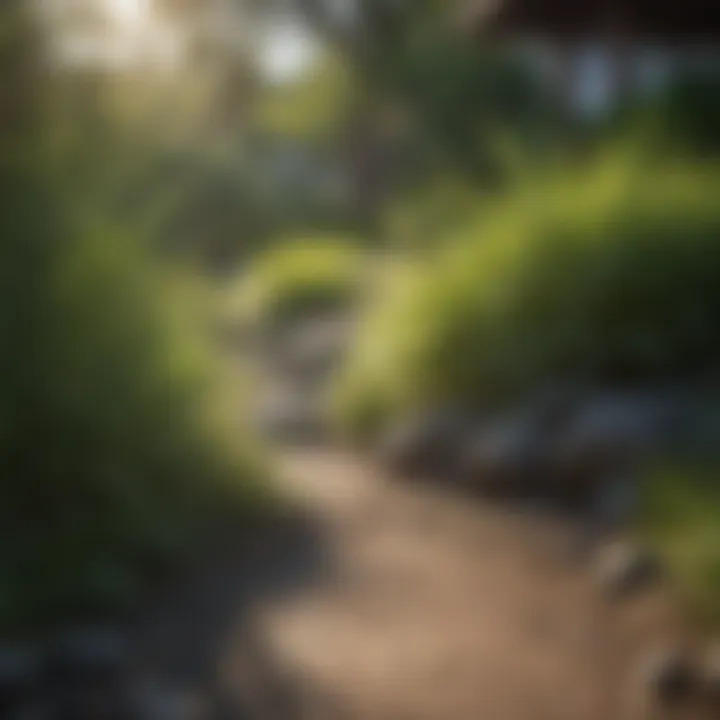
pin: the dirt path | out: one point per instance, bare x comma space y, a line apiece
396, 602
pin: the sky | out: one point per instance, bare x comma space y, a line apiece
118, 34
134, 35
287, 50
128, 12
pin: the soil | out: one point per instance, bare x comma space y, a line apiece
389, 600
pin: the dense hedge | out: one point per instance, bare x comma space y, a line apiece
679, 509
683, 119
606, 275
114, 450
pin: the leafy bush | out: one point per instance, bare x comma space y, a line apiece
608, 275
115, 452
429, 213
682, 119
461, 95
679, 518
297, 278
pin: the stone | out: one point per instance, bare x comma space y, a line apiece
711, 674
505, 459
614, 501
19, 675
509, 457
320, 342
623, 569
553, 408
84, 673
614, 421
87, 651
89, 703
290, 418
159, 702
33, 711
427, 444
308, 351
606, 437
670, 676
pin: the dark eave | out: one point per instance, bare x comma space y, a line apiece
680, 21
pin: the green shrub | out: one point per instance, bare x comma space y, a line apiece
426, 214
683, 119
297, 278
608, 276
680, 506
115, 451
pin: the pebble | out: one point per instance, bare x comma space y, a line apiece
84, 674
158, 702
711, 674
87, 650
623, 569
670, 676
19, 673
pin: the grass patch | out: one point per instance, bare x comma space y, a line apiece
298, 278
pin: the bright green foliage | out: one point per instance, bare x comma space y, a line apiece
296, 278
609, 275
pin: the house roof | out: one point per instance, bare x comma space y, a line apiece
661, 20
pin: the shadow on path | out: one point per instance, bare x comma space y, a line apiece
209, 619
